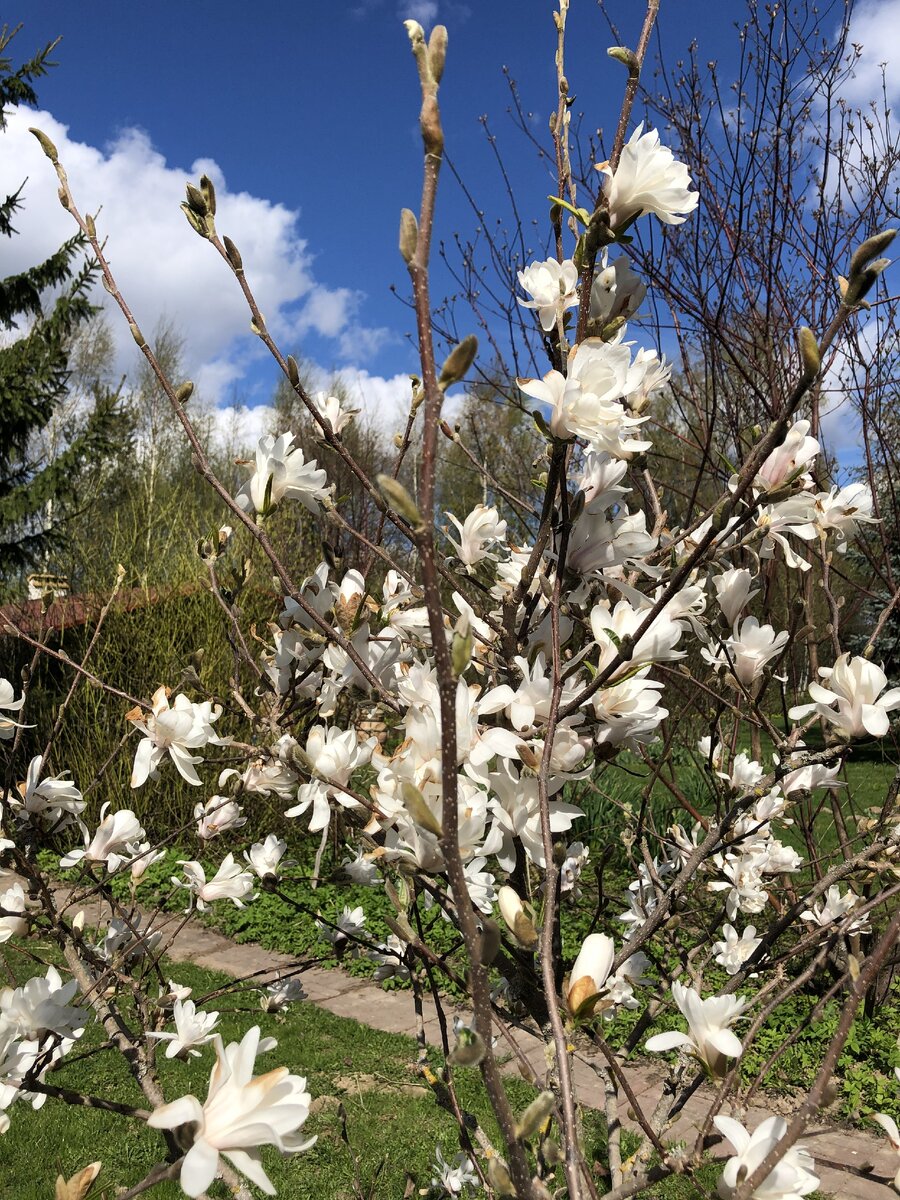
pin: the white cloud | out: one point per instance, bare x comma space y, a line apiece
237, 429
164, 269
423, 11
384, 403
875, 27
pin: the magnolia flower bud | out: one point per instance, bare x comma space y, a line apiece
208, 191
490, 940
234, 255
517, 920
397, 495
499, 1177
418, 809
409, 234
437, 52
458, 362
46, 145
469, 1050
534, 1115
589, 973
809, 353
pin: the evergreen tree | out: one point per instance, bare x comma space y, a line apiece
40, 489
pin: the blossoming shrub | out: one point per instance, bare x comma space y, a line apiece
437, 708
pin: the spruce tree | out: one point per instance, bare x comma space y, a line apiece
41, 309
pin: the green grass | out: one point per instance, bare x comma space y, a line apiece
377, 1125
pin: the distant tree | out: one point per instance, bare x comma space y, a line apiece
41, 477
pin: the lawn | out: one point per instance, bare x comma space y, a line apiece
377, 1125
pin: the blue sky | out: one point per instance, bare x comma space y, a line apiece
306, 113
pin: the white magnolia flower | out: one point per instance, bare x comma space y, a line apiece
174, 731
350, 924
13, 922
177, 991
8, 726
281, 993
577, 856
648, 179
657, 644
312, 794
480, 885
586, 402
843, 510
192, 1028
389, 957
127, 940
144, 856
218, 815
629, 713
361, 870
241, 1113
230, 882
590, 970
481, 527
40, 1007
734, 950
553, 287
335, 754
709, 1038
788, 461
813, 775
266, 857
889, 1125
602, 539
116, 842
456, 1176
795, 515
855, 686
833, 908
331, 408
617, 290
745, 773
743, 882
791, 1179
745, 654
734, 591
54, 801
283, 473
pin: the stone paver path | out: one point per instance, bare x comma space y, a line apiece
851, 1164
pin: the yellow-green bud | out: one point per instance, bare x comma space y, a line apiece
418, 809
626, 57
437, 52
46, 145
534, 1116
397, 495
208, 190
233, 253
809, 352
409, 234
458, 361
871, 248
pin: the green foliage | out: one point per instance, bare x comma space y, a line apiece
138, 651
39, 483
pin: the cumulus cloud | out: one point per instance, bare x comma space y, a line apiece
423, 11
383, 405
875, 27
165, 271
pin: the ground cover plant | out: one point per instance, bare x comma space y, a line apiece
612, 745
